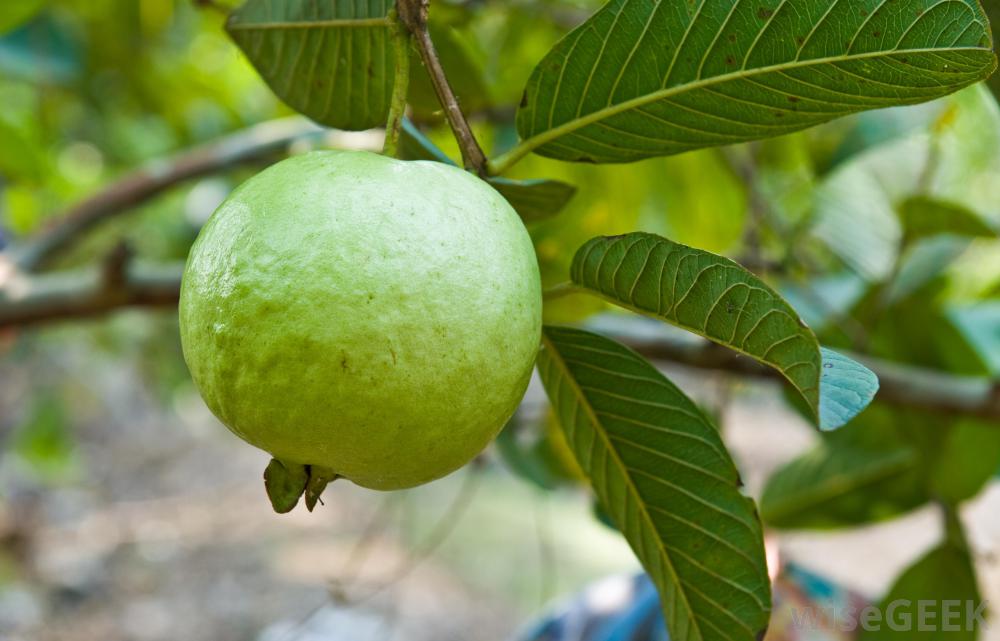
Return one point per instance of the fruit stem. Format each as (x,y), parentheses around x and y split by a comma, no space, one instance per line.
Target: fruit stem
(413,14)
(400,85)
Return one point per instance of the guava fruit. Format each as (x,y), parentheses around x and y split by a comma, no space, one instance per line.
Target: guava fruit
(369,317)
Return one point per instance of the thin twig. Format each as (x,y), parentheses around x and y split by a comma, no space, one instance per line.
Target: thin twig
(742,160)
(249,145)
(413,14)
(445,525)
(400,86)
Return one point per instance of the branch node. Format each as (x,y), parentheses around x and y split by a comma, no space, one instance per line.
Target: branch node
(413,13)
(114,269)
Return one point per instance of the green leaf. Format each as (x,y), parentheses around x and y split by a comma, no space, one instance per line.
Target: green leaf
(284,484)
(924,217)
(663,475)
(538,454)
(533,200)
(979,326)
(46,51)
(836,486)
(45,440)
(331,61)
(869,471)
(968,457)
(15,12)
(414,145)
(944,575)
(922,263)
(460,67)
(845,388)
(716,298)
(641,79)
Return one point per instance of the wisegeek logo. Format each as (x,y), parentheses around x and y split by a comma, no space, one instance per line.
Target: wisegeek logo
(902,615)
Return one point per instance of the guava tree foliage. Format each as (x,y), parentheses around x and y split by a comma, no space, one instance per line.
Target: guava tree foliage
(637,80)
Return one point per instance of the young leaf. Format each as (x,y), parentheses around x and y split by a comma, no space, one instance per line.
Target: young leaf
(533,200)
(331,61)
(944,578)
(662,473)
(716,298)
(642,79)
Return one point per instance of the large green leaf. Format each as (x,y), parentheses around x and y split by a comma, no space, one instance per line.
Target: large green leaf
(716,298)
(331,61)
(944,577)
(663,475)
(641,79)
(534,200)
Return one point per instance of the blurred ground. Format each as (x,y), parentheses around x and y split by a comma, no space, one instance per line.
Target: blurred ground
(163,530)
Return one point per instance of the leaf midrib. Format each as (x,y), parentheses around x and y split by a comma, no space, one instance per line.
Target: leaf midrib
(694,330)
(311,24)
(525,147)
(636,496)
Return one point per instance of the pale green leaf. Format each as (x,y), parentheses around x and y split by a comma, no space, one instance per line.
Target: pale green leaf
(534,200)
(846,387)
(641,79)
(331,61)
(716,298)
(663,475)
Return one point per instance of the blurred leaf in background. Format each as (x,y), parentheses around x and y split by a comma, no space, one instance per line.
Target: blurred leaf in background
(44,442)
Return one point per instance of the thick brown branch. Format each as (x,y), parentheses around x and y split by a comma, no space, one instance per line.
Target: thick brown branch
(413,15)
(30,300)
(253,144)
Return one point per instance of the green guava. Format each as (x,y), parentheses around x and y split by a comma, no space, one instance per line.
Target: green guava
(373,317)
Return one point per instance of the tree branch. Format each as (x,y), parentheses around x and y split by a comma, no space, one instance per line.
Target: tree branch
(27,300)
(255,143)
(900,385)
(413,14)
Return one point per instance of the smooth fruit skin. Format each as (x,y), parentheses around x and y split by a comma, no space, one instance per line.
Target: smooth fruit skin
(376,317)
